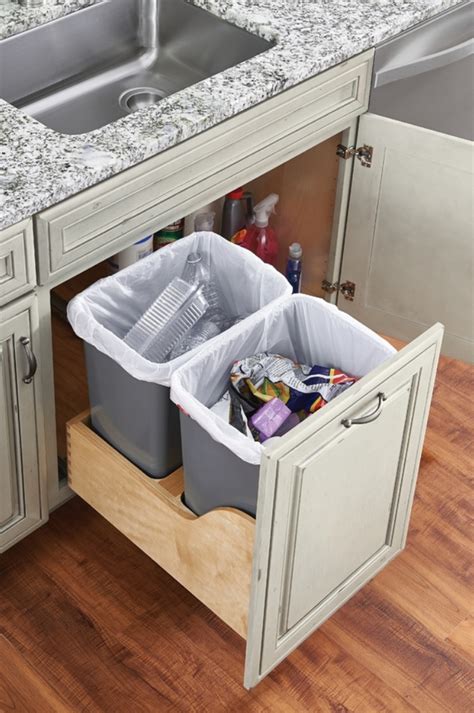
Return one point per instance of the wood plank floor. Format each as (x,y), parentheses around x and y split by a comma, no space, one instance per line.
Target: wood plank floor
(89,623)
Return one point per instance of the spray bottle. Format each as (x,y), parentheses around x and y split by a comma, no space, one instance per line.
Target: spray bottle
(261,239)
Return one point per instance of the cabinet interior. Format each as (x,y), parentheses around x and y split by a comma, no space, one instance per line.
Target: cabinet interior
(307,189)
(305,213)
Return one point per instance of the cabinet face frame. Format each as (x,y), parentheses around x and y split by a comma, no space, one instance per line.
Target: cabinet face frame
(22,430)
(309,132)
(58,491)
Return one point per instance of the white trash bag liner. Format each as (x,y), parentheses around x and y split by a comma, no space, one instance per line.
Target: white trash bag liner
(306,329)
(102,314)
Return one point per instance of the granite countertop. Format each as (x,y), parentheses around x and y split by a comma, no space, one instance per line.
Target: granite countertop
(40,167)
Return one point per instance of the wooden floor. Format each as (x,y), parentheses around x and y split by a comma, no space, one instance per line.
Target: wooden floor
(89,623)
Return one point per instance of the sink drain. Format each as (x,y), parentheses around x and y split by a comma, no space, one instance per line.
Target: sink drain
(140,97)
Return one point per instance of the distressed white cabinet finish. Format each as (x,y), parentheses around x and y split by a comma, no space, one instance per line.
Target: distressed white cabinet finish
(409,243)
(21,503)
(334,503)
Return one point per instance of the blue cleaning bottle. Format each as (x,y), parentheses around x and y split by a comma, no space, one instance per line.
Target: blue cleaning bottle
(294,266)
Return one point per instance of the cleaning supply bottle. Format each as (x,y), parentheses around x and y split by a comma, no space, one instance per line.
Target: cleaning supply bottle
(236,212)
(233,213)
(168,235)
(261,239)
(294,266)
(204,221)
(215,207)
(129,256)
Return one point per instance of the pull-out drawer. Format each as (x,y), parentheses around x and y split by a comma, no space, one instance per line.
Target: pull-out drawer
(89,227)
(17,261)
(334,502)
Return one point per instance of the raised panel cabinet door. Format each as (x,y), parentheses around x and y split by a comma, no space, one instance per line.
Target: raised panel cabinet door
(20,500)
(335,500)
(409,237)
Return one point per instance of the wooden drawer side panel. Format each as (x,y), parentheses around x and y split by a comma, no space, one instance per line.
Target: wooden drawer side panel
(211,556)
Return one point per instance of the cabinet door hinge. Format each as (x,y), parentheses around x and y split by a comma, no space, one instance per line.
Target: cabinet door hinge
(363,153)
(347,289)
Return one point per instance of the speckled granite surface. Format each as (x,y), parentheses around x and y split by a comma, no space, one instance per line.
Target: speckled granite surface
(40,167)
(14,18)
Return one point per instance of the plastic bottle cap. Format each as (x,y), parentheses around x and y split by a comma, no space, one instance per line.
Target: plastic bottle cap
(193,258)
(237,194)
(295,251)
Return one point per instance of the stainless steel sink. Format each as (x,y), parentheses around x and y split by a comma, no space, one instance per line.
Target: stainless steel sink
(94,66)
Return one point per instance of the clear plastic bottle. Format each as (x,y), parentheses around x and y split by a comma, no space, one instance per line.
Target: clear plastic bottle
(197,272)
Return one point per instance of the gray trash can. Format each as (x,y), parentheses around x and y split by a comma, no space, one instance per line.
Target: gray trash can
(129,395)
(221,465)
(213,475)
(136,417)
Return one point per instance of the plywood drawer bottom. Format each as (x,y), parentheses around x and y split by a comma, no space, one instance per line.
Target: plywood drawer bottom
(210,555)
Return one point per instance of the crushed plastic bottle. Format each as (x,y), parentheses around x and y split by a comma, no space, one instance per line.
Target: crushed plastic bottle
(196,272)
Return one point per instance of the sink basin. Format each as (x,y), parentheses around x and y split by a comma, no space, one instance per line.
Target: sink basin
(101,63)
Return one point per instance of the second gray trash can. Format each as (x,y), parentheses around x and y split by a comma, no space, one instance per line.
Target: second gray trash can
(221,465)
(129,395)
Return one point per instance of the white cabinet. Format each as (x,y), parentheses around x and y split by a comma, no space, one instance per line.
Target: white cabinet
(409,240)
(335,495)
(334,503)
(21,506)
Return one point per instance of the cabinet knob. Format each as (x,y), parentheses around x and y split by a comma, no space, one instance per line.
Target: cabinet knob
(31,360)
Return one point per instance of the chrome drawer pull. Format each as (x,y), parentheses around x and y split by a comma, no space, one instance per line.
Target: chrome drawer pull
(30,358)
(348,422)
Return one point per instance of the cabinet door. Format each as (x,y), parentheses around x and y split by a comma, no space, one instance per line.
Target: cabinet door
(334,502)
(408,242)
(20,492)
